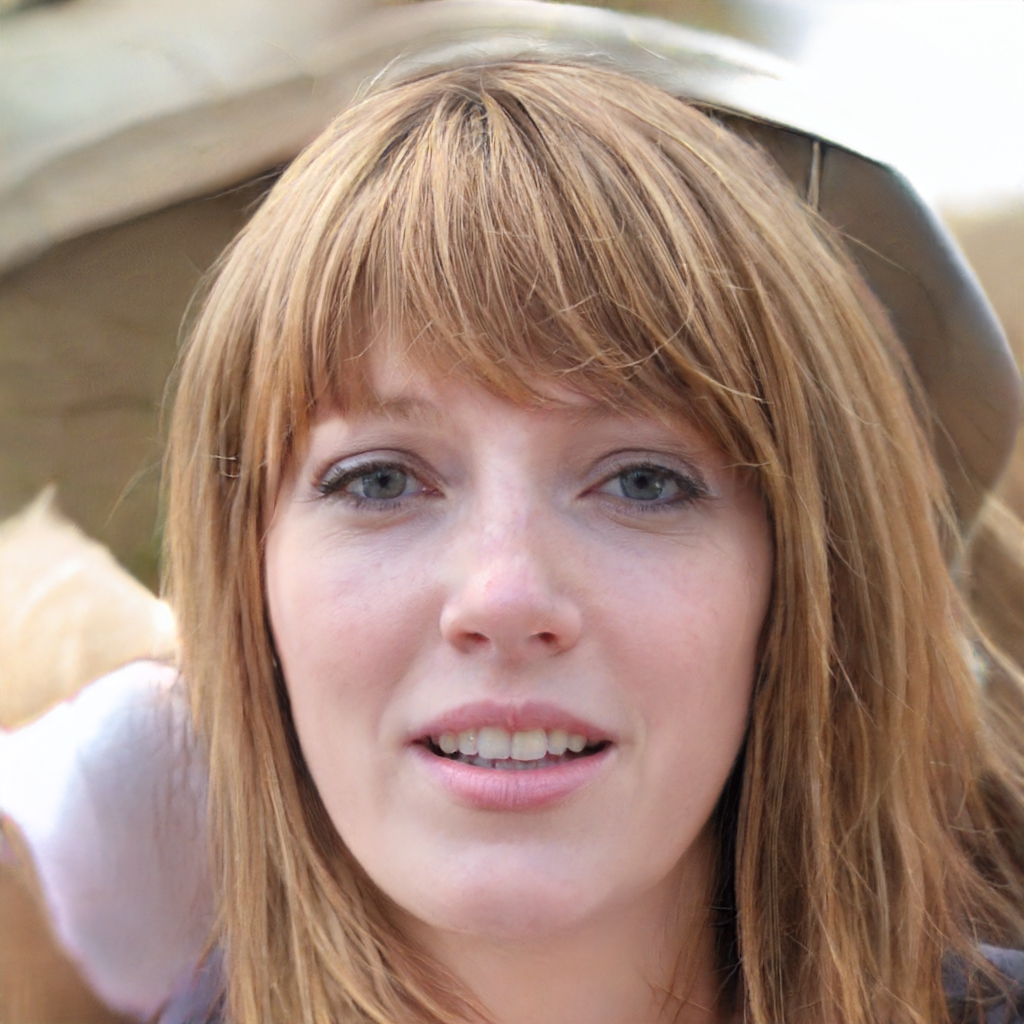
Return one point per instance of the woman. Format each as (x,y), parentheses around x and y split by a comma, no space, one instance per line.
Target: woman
(535,423)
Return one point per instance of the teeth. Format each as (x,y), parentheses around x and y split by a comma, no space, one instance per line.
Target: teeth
(529,746)
(558,742)
(494,744)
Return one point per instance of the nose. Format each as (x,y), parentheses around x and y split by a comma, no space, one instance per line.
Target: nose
(505,598)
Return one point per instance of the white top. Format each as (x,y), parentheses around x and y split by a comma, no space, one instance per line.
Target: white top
(110,798)
(110,795)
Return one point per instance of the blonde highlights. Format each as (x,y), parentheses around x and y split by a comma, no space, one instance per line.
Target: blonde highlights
(515,223)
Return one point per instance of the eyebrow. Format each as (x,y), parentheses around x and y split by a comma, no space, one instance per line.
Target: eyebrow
(403,407)
(425,410)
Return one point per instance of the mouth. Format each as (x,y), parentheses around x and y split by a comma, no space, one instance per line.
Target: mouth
(524,750)
(526,757)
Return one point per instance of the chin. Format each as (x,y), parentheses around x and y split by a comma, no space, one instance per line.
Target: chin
(501,898)
(510,916)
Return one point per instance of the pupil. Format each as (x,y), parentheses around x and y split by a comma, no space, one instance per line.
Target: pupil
(384,483)
(642,484)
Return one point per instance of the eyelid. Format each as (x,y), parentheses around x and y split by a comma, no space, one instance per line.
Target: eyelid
(691,488)
(618,462)
(329,479)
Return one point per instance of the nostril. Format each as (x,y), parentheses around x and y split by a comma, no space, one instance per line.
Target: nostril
(534,624)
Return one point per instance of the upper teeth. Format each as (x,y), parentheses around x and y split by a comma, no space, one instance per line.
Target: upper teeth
(496,744)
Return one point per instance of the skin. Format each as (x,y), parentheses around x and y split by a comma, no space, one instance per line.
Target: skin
(519,564)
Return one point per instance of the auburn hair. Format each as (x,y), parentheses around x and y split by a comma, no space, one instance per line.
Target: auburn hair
(515,223)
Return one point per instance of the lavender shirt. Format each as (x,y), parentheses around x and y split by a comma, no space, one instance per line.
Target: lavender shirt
(109,794)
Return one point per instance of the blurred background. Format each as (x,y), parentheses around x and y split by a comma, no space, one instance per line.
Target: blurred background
(134,147)
(139,134)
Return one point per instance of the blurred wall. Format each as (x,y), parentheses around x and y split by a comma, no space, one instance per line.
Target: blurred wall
(88,336)
(89,328)
(993,243)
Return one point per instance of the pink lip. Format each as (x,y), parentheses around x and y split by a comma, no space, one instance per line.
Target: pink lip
(511,718)
(496,789)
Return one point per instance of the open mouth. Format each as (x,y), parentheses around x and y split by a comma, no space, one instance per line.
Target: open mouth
(494,747)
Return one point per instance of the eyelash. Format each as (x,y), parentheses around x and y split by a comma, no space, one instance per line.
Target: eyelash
(334,482)
(337,479)
(691,489)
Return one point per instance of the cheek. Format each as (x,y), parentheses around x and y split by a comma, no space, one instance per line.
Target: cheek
(688,625)
(687,650)
(332,604)
(346,629)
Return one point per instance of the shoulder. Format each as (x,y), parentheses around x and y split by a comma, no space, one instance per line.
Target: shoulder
(200,999)
(1010,963)
(1004,1005)
(108,791)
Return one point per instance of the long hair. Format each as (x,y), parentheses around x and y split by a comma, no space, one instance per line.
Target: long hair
(517,223)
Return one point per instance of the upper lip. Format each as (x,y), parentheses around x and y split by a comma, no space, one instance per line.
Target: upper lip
(512,718)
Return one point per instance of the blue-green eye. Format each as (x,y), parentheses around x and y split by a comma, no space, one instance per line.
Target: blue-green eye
(379,483)
(653,485)
(645,484)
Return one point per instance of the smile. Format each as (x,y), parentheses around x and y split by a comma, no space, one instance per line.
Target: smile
(512,757)
(494,747)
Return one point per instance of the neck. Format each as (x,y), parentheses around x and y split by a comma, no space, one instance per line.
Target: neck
(651,962)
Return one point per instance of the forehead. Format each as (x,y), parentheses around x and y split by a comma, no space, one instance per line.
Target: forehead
(401,376)
(394,383)
(461,414)
(396,379)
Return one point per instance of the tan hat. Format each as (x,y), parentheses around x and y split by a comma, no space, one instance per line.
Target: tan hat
(907,257)
(257,104)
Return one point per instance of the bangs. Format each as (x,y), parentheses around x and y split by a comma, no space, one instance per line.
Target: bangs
(491,246)
(516,230)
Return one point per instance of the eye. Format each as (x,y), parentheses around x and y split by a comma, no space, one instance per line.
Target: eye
(378,483)
(649,484)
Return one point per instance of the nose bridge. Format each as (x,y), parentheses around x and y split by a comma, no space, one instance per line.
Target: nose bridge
(507,593)
(509,563)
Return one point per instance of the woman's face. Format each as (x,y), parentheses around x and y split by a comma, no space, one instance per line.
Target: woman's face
(519,645)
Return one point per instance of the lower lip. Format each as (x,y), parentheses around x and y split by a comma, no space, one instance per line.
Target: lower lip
(497,789)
